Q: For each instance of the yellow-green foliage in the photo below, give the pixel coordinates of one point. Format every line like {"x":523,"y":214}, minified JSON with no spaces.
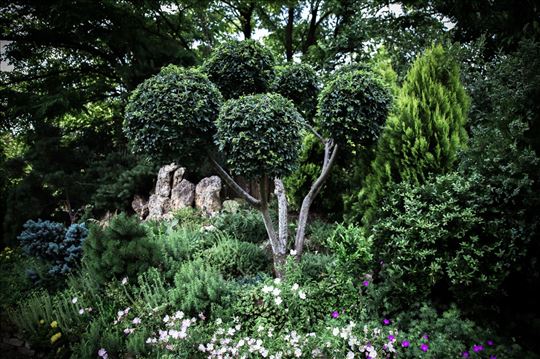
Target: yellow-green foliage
{"x":423,"y":133}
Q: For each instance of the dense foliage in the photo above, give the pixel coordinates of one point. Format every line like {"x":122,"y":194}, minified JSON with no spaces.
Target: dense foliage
{"x":424,"y":132}
{"x":353,"y":107}
{"x":120,"y":249}
{"x":240,"y":68}
{"x":260,"y":135}
{"x":300,"y":84}
{"x":176,"y":103}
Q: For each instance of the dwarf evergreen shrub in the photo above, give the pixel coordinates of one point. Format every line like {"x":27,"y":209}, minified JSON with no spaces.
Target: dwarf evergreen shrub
{"x":121,"y":249}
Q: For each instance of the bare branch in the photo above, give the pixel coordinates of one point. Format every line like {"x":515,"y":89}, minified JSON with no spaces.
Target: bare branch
{"x":235,"y":186}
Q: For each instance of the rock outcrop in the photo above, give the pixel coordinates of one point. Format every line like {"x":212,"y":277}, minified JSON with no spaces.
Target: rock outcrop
{"x":207,"y":195}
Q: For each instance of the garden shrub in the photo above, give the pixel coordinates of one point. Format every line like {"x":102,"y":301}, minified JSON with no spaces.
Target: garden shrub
{"x":423,"y":133}
{"x":439,"y":237}
{"x":197,"y":287}
{"x":299,"y":83}
{"x":50,"y":242}
{"x":234,"y":258}
{"x":246,"y":225}
{"x":123,"y":248}
{"x":352,"y":249}
{"x":353,"y":108}
{"x":318,"y":233}
{"x":272,"y":135}
{"x":240,"y":68}
{"x":175,"y":103}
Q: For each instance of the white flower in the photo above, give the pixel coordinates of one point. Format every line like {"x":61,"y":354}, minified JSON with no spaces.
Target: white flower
{"x":295,"y":286}
{"x":179,"y":315}
{"x":124,"y":281}
{"x":137,"y":320}
{"x":302,"y":295}
{"x":74,"y":300}
{"x":297,"y":353}
{"x":276,"y":292}
{"x":278,"y":300}
{"x":293,"y":252}
{"x":350,"y":355}
{"x":81,"y":311}
{"x":166,"y":319}
{"x":267,"y":289}
{"x":128,"y":330}
{"x":335,"y":332}
{"x":103,"y":353}
{"x":202,"y":348}
{"x":277,"y":280}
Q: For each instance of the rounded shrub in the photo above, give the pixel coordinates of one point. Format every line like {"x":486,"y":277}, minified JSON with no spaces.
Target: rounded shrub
{"x":353,"y":107}
{"x":260,"y":135}
{"x":299,"y":83}
{"x":42,"y":239}
{"x":171,"y":115}
{"x":237,"y":259}
{"x":123,"y":248}
{"x":240,"y":68}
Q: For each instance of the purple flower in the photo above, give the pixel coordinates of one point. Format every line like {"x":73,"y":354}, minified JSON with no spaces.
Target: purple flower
{"x":365,"y":283}
{"x":490,"y":342}
{"x":386,"y":321}
{"x":478,"y":348}
{"x":465,"y":354}
{"x":492,"y":357}
{"x":391,"y":338}
{"x":335,"y":314}
{"x":425,"y":336}
{"x":424,"y":347}
{"x":405,"y":344}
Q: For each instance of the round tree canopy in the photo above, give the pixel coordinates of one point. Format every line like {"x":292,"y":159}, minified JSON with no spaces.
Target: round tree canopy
{"x":240,"y":68}
{"x":353,"y":107}
{"x":171,"y":115}
{"x":260,"y":135}
{"x":298,"y":83}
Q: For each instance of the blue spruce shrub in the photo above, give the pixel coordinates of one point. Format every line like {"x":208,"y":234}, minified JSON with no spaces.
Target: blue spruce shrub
{"x":51,"y":243}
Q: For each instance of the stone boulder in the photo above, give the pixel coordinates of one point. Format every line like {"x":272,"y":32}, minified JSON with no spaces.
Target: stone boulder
{"x":207,"y":195}
{"x":158,"y":207}
{"x":140,"y":206}
{"x":165,"y":180}
{"x":182,"y":194}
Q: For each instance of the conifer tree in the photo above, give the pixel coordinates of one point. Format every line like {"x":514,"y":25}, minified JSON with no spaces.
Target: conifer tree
{"x":423,"y":133}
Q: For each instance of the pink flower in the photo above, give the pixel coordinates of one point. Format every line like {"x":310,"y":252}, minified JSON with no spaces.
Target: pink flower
{"x":335,"y":314}
{"x":405,"y":344}
{"x":478,"y":348}
{"x":465,"y":354}
{"x":102,"y":353}
{"x":386,"y":321}
{"x":424,"y":347}
{"x":365,"y":283}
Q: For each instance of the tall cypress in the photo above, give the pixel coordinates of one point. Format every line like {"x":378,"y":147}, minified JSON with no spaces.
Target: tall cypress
{"x":423,"y":133}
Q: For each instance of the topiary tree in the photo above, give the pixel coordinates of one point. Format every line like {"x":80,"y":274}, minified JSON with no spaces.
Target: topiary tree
{"x":300,"y":84}
{"x":259,"y":135}
{"x":424,"y":132}
{"x":240,"y":68}
{"x":175,"y":104}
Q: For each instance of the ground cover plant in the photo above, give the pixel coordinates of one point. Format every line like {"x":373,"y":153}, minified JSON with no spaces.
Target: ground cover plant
{"x":380,"y":164}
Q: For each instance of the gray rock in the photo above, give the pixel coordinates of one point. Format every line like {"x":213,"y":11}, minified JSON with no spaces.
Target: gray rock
{"x":182,"y":194}
{"x":178,"y":176}
{"x":207,"y":195}
{"x":158,"y":206}
{"x":165,"y":180}
{"x":140,"y":206}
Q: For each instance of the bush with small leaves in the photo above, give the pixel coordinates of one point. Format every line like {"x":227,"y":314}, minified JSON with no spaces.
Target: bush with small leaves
{"x":352,"y":247}
{"x":260,"y":135}
{"x":353,"y":107}
{"x":121,"y":249}
{"x":240,"y":68}
{"x":237,"y":259}
{"x":244,"y":225}
{"x":298,"y":83}
{"x":198,"y":286}
{"x":171,"y":115}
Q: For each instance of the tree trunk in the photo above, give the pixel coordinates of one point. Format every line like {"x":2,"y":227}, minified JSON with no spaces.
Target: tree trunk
{"x":329,"y":158}
{"x":289,"y":34}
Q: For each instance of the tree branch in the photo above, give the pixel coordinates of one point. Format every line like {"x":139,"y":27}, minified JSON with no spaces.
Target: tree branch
{"x":235,"y":186}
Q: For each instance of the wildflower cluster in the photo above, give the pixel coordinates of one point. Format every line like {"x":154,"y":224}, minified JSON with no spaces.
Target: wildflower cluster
{"x":174,"y":328}
{"x":6,"y":254}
